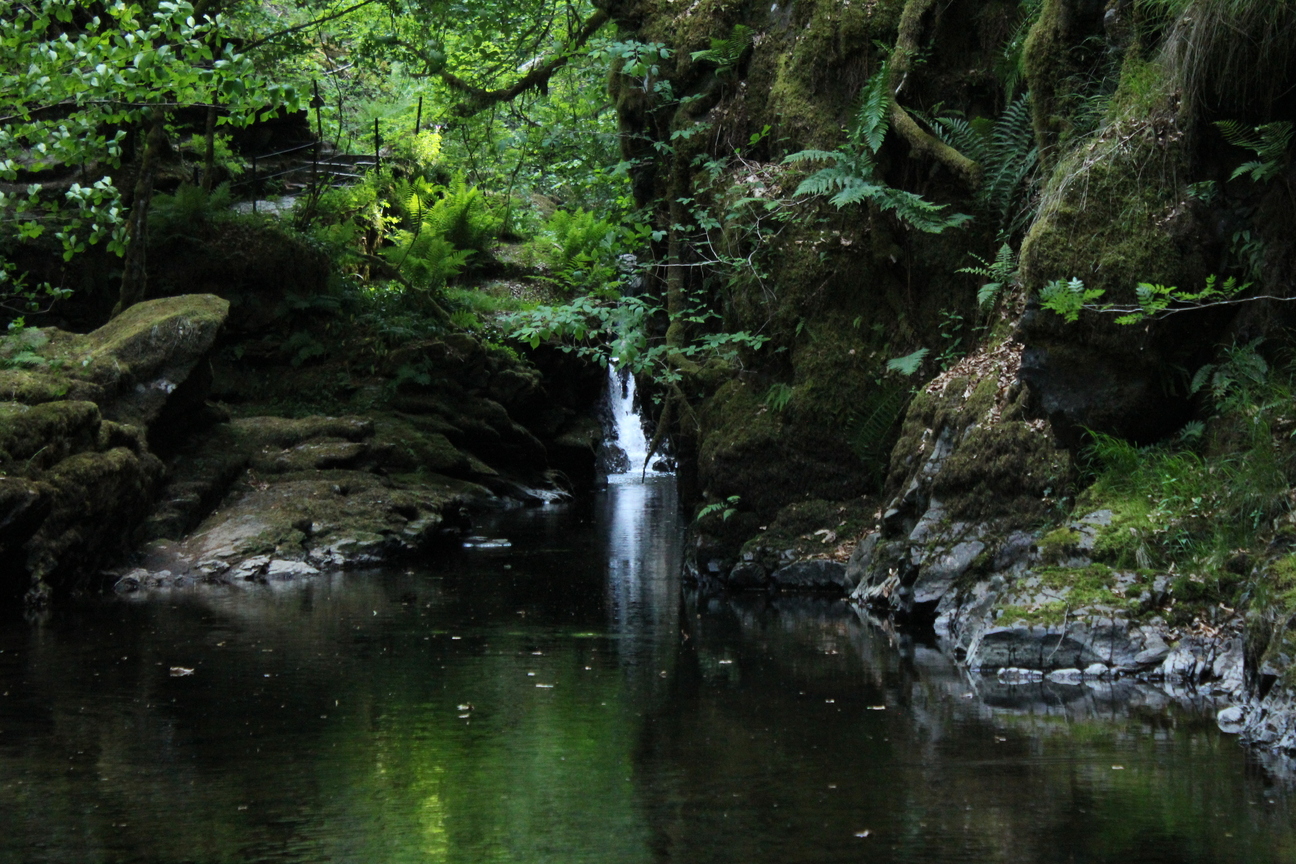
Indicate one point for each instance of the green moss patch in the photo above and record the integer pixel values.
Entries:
(1077, 592)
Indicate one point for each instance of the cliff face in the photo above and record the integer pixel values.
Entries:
(960, 485)
(1121, 105)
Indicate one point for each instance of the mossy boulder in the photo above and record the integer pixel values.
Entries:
(131, 367)
(969, 441)
(771, 459)
(97, 499)
(265, 272)
(72, 488)
(1116, 213)
(35, 437)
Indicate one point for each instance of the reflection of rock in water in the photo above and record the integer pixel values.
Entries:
(798, 714)
(808, 638)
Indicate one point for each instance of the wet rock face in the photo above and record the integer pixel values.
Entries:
(1080, 390)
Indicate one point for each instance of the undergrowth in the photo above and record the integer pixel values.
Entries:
(1220, 487)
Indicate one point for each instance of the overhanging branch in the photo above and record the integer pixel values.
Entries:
(478, 99)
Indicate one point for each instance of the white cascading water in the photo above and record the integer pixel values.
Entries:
(628, 426)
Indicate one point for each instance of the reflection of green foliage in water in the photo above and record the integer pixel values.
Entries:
(532, 775)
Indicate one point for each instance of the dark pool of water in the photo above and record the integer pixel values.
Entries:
(557, 701)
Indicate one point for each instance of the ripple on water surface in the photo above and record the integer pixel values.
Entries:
(556, 701)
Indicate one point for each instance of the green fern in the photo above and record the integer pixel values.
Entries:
(871, 431)
(777, 397)
(188, 212)
(852, 178)
(1006, 152)
(424, 257)
(908, 364)
(726, 53)
(1269, 142)
(1011, 67)
(998, 273)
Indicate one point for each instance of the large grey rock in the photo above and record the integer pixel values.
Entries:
(861, 560)
(938, 576)
(747, 575)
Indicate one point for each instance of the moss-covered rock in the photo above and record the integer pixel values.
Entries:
(33, 438)
(97, 499)
(1116, 213)
(265, 272)
(131, 367)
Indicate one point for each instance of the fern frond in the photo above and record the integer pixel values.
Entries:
(918, 211)
(812, 156)
(871, 432)
(1239, 135)
(826, 181)
(959, 134)
(725, 53)
(873, 118)
(1269, 142)
(855, 192)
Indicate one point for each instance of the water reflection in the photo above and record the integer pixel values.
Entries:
(555, 702)
(642, 534)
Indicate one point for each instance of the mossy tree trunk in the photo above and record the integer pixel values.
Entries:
(134, 284)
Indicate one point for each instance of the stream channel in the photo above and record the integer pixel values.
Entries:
(562, 699)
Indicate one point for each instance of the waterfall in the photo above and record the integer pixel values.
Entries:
(630, 447)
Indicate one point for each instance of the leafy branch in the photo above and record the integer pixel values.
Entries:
(1069, 297)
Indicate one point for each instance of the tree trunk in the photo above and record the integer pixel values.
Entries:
(209, 157)
(134, 284)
